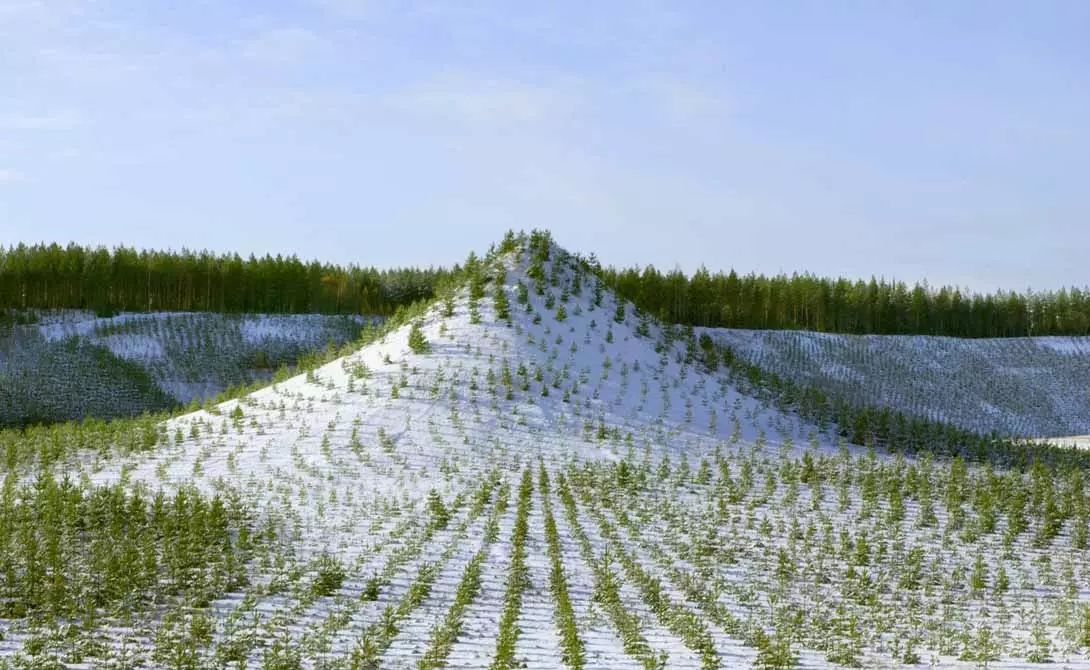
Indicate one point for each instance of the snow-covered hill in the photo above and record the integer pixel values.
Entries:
(1017, 387)
(73, 365)
(556, 487)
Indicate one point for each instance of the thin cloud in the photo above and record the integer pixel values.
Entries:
(681, 100)
(485, 102)
(64, 120)
(91, 65)
(280, 46)
(346, 9)
(8, 177)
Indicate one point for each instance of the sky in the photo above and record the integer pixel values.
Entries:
(946, 141)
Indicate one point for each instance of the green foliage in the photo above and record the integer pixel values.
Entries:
(126, 280)
(501, 302)
(47, 382)
(438, 514)
(330, 576)
(518, 579)
(417, 342)
(56, 535)
(807, 302)
(773, 653)
(573, 648)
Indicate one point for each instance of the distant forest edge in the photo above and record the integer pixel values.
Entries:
(123, 279)
(126, 280)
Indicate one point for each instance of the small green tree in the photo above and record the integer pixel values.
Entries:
(978, 580)
(1042, 645)
(774, 653)
(503, 305)
(417, 342)
(1002, 581)
(437, 511)
(1084, 626)
(982, 649)
(330, 576)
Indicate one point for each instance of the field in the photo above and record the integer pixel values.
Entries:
(1017, 387)
(70, 364)
(528, 474)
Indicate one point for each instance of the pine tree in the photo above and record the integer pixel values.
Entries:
(773, 653)
(1084, 626)
(1042, 645)
(978, 581)
(503, 305)
(417, 342)
(1002, 582)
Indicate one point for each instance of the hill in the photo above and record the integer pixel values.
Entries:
(70, 365)
(527, 473)
(1016, 387)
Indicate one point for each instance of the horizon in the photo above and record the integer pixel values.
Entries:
(922, 142)
(931, 287)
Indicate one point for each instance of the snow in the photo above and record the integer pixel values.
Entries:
(1027, 387)
(185, 355)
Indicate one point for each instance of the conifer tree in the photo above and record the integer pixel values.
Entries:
(417, 342)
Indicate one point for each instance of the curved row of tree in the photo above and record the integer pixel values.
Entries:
(49, 276)
(124, 279)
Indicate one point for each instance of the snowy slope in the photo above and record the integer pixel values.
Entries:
(637, 512)
(1018, 387)
(138, 362)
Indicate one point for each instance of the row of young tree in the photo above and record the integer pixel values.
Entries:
(124, 279)
(49, 276)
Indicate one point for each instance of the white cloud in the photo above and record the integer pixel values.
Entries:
(92, 65)
(346, 9)
(680, 100)
(280, 46)
(63, 120)
(11, 177)
(485, 102)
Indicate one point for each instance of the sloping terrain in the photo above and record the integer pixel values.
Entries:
(530, 474)
(43, 381)
(72, 365)
(1017, 387)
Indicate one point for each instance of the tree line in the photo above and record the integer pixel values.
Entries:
(49, 276)
(807, 302)
(123, 279)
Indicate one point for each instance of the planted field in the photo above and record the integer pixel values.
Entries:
(527, 474)
(71, 364)
(1017, 387)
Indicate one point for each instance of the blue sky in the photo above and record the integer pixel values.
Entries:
(940, 140)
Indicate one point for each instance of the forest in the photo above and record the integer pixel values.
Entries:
(50, 276)
(807, 302)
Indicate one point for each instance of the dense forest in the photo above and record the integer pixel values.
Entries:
(124, 279)
(807, 302)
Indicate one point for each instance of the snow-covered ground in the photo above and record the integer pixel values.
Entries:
(668, 520)
(72, 364)
(1018, 387)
